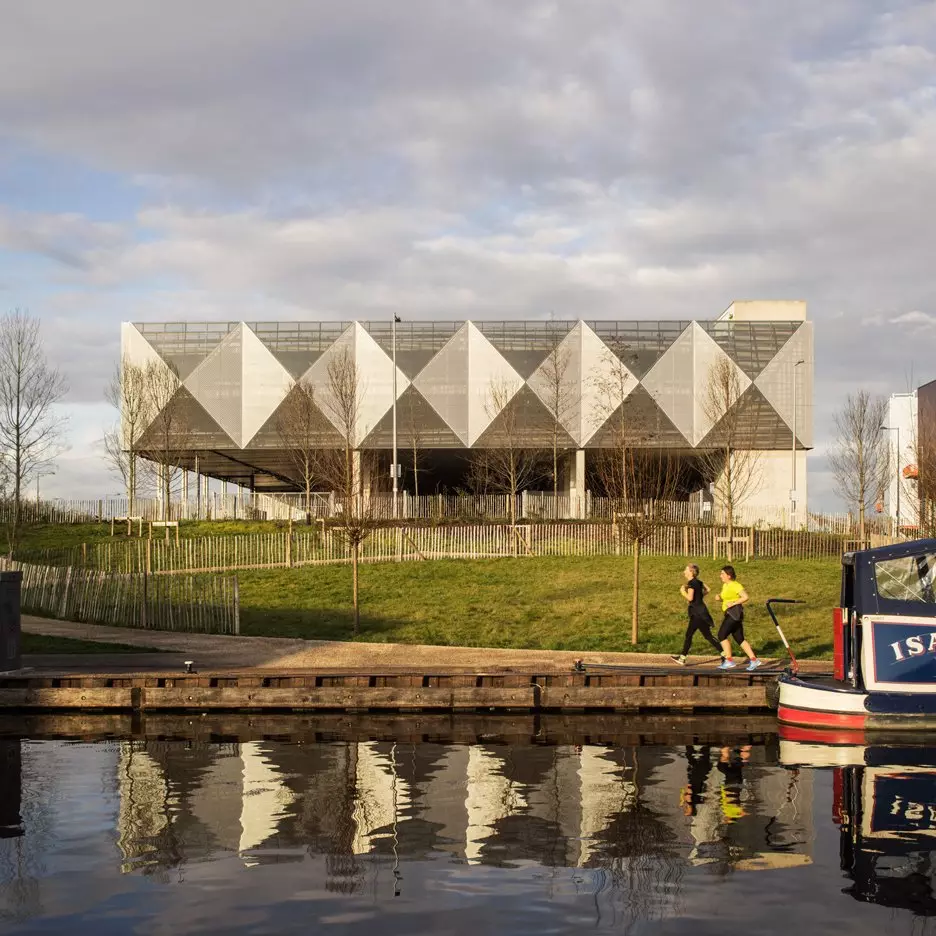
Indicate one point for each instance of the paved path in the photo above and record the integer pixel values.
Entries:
(215, 652)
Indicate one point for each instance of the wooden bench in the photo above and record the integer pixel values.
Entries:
(129, 521)
(744, 541)
(166, 525)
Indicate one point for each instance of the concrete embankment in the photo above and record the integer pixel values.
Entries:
(256, 673)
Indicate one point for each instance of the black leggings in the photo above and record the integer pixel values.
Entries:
(732, 625)
(703, 624)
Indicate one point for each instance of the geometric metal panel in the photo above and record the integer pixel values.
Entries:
(525, 344)
(776, 383)
(492, 383)
(374, 372)
(642, 423)
(264, 384)
(525, 420)
(135, 349)
(671, 383)
(606, 383)
(751, 345)
(465, 382)
(443, 382)
(594, 382)
(707, 355)
(216, 383)
(638, 344)
(419, 426)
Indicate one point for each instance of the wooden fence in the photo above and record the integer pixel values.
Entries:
(206, 604)
(324, 545)
(439, 508)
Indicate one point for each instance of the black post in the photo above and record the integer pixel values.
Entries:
(10, 591)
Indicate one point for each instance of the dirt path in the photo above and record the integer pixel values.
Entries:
(222, 652)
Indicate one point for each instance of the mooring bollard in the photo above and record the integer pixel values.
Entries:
(10, 590)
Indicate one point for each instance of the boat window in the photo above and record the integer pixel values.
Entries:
(911, 578)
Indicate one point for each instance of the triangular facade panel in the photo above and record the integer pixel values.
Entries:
(641, 422)
(374, 373)
(639, 344)
(492, 383)
(196, 428)
(296, 363)
(264, 384)
(710, 362)
(417, 343)
(670, 382)
(184, 348)
(274, 433)
(751, 345)
(784, 374)
(417, 422)
(752, 424)
(443, 382)
(527, 422)
(525, 345)
(216, 384)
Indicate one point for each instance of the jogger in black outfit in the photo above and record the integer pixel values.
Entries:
(694, 591)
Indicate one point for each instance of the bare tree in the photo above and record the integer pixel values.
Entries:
(30, 432)
(128, 393)
(414, 441)
(341, 468)
(167, 440)
(300, 424)
(733, 463)
(511, 463)
(638, 480)
(859, 456)
(561, 398)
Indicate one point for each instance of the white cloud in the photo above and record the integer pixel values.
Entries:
(486, 160)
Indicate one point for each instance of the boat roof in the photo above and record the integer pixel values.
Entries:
(897, 551)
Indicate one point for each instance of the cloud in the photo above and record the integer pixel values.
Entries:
(487, 160)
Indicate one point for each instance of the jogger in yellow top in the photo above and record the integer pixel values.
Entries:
(733, 596)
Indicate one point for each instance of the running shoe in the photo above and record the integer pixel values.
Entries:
(727, 664)
(753, 665)
(678, 658)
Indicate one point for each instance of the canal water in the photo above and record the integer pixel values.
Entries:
(411, 837)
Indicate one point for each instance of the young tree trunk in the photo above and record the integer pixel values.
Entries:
(415, 473)
(555, 477)
(355, 551)
(636, 602)
(308, 501)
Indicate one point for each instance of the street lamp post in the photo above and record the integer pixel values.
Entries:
(394, 470)
(897, 462)
(793, 450)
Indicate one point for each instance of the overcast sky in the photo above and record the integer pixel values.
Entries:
(227, 159)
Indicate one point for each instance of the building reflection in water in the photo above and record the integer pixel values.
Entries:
(628, 822)
(624, 812)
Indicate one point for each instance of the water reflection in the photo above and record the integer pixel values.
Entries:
(611, 833)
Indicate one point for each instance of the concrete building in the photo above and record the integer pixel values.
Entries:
(901, 499)
(458, 384)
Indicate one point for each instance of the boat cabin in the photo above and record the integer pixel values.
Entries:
(884, 636)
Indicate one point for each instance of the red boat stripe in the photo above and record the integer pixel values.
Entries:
(820, 719)
(820, 736)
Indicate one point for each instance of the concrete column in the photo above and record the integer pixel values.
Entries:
(575, 483)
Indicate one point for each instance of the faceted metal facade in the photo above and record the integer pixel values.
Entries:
(456, 380)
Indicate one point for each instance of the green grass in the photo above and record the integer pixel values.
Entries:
(37, 536)
(40, 643)
(549, 603)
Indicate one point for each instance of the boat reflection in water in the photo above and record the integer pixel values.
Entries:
(884, 803)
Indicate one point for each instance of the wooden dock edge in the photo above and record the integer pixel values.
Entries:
(530, 692)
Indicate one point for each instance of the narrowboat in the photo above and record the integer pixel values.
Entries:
(884, 652)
